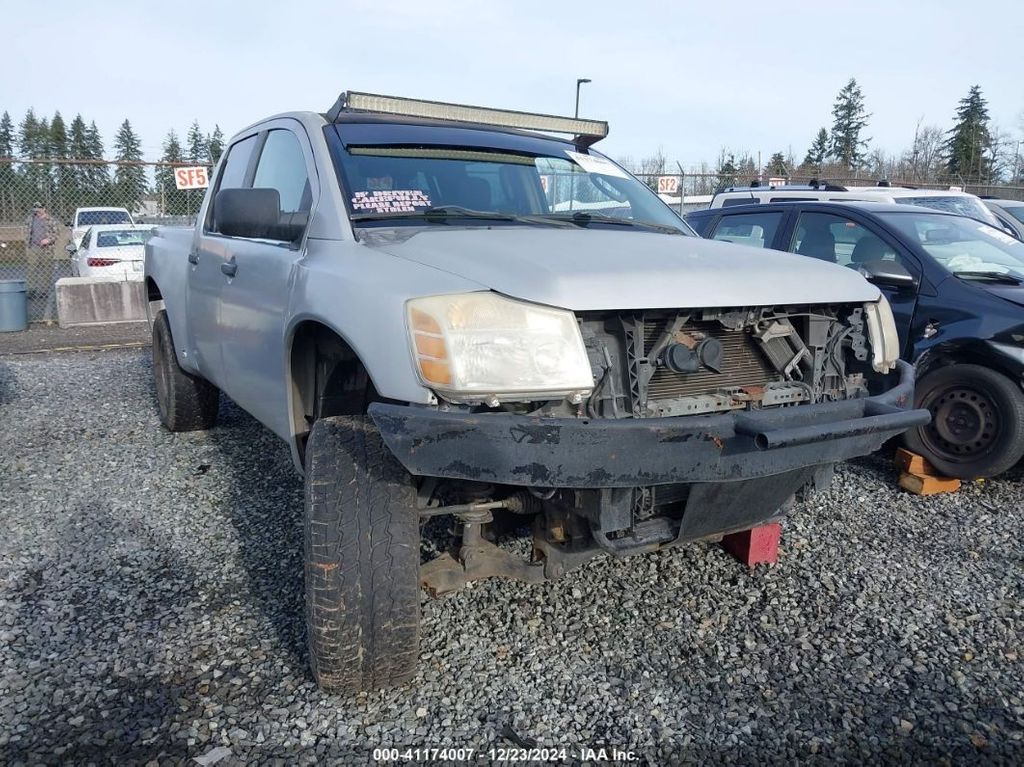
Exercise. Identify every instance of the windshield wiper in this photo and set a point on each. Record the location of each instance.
(585, 217)
(1003, 277)
(445, 213)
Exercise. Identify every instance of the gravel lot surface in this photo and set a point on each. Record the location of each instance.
(150, 609)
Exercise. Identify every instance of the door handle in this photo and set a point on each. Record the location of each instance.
(229, 267)
(193, 257)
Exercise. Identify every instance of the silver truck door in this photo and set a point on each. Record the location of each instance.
(210, 250)
(254, 299)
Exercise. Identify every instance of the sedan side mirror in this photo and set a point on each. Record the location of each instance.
(887, 274)
(70, 247)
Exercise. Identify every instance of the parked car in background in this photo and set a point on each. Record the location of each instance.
(1010, 214)
(400, 291)
(956, 287)
(949, 200)
(114, 252)
(86, 217)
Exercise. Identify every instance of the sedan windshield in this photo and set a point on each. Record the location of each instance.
(101, 217)
(479, 186)
(962, 205)
(964, 247)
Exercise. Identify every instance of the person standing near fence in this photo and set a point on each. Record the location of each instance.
(42, 234)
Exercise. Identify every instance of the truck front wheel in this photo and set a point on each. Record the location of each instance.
(362, 559)
(186, 402)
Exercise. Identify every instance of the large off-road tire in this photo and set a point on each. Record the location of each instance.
(186, 402)
(362, 543)
(977, 426)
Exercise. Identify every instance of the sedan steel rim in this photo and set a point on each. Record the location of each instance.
(965, 423)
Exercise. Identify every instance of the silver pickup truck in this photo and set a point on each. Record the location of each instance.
(444, 310)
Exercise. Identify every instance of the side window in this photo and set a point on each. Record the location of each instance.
(755, 229)
(232, 173)
(86, 239)
(740, 201)
(282, 166)
(838, 240)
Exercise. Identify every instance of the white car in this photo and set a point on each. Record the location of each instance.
(112, 251)
(86, 217)
(949, 200)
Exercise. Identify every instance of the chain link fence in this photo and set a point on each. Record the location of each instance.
(39, 201)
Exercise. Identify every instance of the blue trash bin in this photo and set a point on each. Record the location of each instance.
(13, 306)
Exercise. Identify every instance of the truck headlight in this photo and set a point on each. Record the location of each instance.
(882, 333)
(484, 347)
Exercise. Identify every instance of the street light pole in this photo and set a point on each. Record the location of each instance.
(579, 82)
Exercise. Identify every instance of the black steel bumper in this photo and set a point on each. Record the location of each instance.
(599, 453)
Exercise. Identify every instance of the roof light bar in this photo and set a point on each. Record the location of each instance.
(354, 101)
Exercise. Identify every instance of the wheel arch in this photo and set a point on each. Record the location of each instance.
(326, 376)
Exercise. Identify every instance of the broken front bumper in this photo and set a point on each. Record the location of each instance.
(589, 453)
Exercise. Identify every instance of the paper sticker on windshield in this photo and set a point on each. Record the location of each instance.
(995, 234)
(390, 201)
(594, 164)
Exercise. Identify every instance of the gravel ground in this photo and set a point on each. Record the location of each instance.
(150, 608)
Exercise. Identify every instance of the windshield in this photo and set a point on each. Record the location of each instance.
(1017, 211)
(963, 246)
(962, 205)
(428, 185)
(121, 238)
(103, 217)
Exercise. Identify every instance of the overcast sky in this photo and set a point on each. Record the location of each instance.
(688, 77)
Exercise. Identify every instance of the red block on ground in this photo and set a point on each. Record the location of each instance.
(757, 546)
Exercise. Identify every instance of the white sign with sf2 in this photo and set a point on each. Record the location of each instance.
(191, 178)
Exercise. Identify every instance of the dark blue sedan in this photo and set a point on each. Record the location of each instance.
(956, 287)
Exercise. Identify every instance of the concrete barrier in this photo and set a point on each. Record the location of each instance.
(89, 301)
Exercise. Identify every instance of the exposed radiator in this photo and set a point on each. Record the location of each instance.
(743, 364)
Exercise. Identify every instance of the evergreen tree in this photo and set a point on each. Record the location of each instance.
(726, 170)
(777, 166)
(215, 145)
(129, 176)
(63, 174)
(9, 209)
(819, 150)
(849, 121)
(98, 175)
(198, 148)
(6, 136)
(965, 147)
(174, 201)
(33, 144)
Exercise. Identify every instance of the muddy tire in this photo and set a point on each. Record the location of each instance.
(362, 541)
(186, 402)
(977, 426)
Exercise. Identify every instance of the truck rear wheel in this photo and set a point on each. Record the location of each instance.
(186, 402)
(362, 559)
(977, 426)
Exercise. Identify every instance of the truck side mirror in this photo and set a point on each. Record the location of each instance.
(887, 274)
(253, 213)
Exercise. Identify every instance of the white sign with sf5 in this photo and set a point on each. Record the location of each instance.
(191, 178)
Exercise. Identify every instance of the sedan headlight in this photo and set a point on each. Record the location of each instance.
(882, 333)
(482, 347)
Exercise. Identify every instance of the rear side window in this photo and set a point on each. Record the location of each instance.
(232, 173)
(754, 229)
(739, 201)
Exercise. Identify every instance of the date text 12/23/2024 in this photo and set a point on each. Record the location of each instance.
(600, 754)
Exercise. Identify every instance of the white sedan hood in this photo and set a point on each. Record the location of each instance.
(602, 269)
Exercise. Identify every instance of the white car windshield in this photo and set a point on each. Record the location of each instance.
(962, 205)
(120, 238)
(963, 246)
(101, 217)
